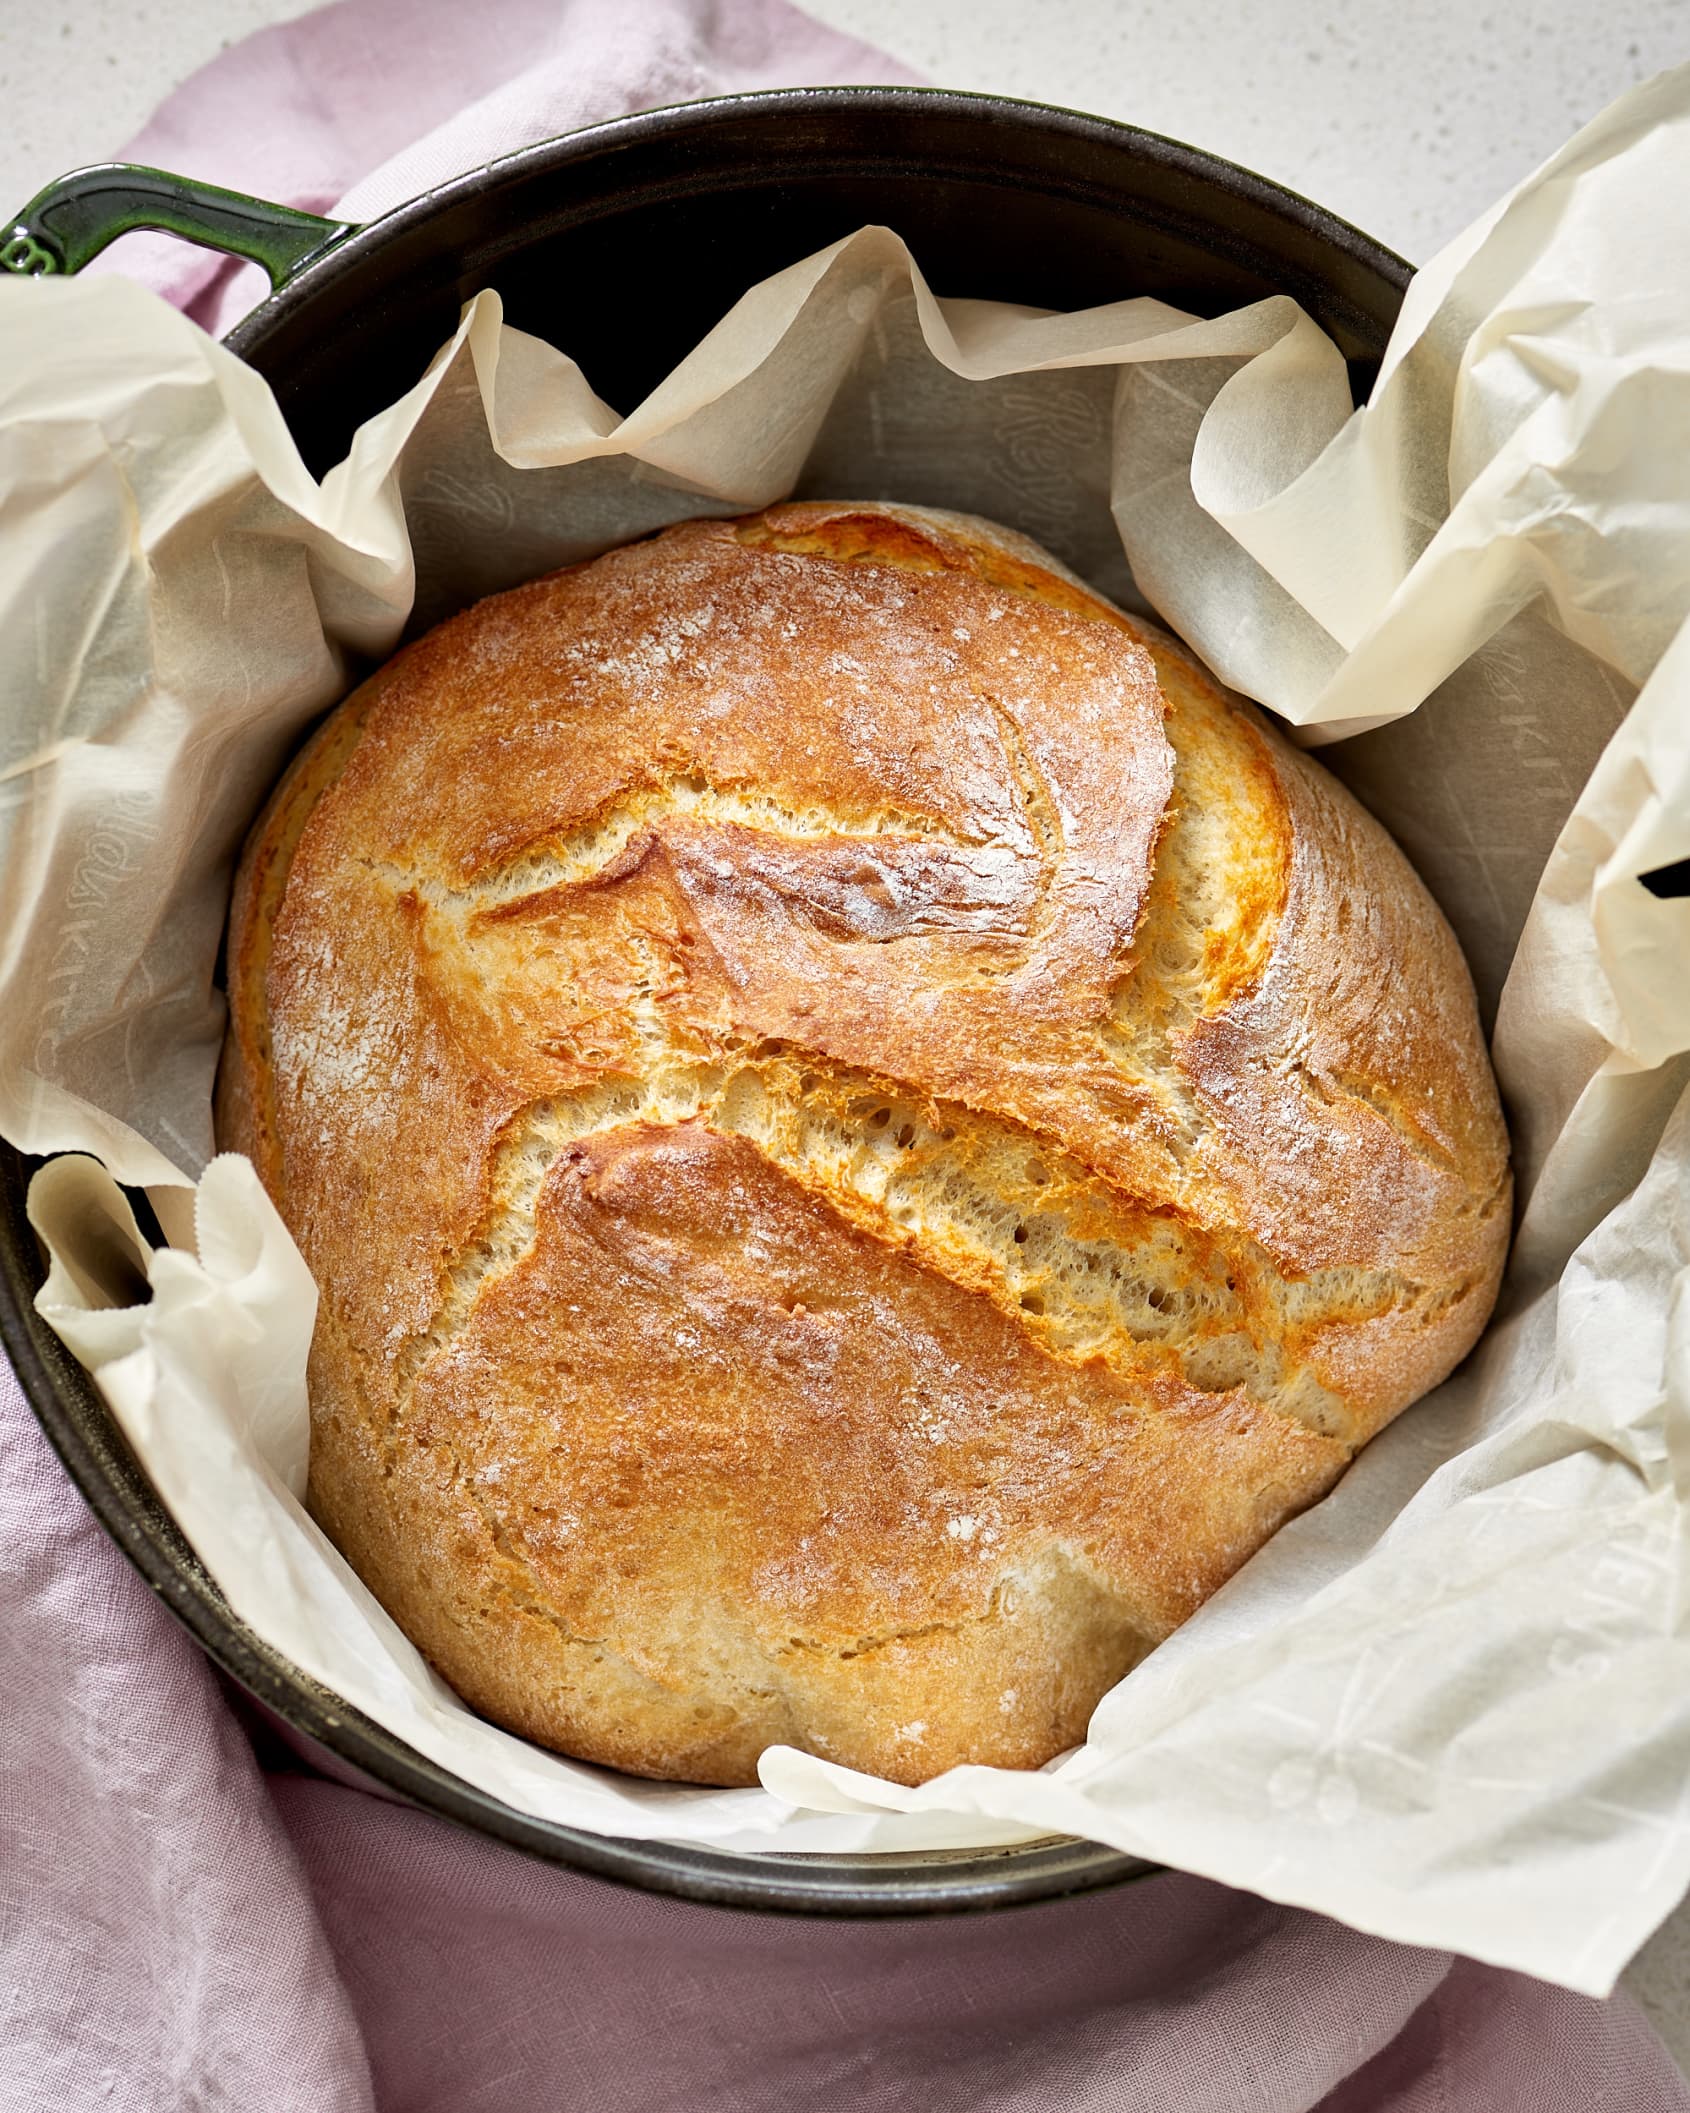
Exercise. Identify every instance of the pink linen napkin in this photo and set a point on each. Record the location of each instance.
(181, 1929)
(356, 108)
(182, 1933)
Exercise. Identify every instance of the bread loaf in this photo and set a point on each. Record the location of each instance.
(866, 1134)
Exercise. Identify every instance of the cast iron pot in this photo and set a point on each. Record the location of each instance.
(997, 199)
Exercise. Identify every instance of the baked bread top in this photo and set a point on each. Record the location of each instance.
(866, 1133)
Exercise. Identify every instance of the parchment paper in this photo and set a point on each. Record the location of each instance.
(1452, 1703)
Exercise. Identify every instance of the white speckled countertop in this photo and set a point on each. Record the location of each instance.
(1408, 119)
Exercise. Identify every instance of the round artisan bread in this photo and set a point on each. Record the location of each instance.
(866, 1133)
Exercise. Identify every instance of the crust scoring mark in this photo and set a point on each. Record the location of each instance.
(1089, 1274)
(591, 847)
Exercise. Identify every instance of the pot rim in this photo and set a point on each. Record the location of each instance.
(353, 244)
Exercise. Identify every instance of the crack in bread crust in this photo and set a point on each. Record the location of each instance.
(598, 841)
(1087, 1273)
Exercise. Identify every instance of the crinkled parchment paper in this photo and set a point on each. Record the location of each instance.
(1452, 1703)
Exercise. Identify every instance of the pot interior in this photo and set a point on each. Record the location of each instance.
(615, 243)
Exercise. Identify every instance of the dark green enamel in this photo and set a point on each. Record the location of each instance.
(68, 224)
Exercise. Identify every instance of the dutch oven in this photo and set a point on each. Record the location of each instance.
(997, 199)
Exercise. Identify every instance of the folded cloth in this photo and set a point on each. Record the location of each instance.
(185, 1925)
(353, 109)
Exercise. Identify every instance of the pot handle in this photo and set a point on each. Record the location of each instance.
(68, 224)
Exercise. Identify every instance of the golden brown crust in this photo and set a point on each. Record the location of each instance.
(879, 1138)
